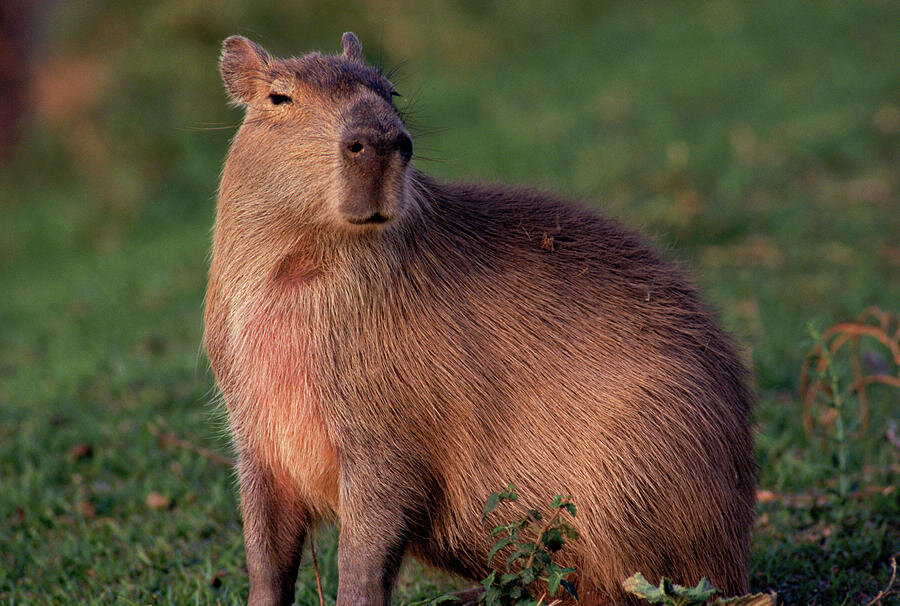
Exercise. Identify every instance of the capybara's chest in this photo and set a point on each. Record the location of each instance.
(277, 413)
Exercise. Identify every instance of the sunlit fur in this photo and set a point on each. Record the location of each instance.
(390, 377)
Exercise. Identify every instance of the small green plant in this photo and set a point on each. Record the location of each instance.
(836, 401)
(670, 594)
(529, 567)
(834, 381)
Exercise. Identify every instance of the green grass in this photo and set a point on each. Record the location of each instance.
(757, 142)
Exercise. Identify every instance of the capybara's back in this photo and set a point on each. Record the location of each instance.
(393, 349)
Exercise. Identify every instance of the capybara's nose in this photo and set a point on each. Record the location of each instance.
(375, 159)
(368, 149)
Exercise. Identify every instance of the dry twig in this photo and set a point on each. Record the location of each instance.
(170, 439)
(887, 589)
(312, 548)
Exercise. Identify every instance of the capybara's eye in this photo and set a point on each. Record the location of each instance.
(277, 99)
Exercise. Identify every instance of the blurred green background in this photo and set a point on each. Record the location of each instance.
(757, 142)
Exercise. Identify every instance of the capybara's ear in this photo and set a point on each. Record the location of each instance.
(352, 47)
(243, 64)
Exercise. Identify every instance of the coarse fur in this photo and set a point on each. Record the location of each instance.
(392, 349)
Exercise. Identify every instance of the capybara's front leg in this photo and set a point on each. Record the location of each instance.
(369, 557)
(376, 522)
(275, 525)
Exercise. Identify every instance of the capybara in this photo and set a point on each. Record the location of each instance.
(392, 349)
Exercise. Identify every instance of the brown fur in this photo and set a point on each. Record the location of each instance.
(390, 375)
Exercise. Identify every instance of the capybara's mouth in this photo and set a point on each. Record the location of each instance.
(373, 219)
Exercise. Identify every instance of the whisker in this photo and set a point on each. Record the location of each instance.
(389, 74)
(210, 127)
(431, 159)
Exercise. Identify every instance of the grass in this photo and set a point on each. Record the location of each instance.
(757, 142)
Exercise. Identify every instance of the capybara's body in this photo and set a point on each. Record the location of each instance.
(392, 350)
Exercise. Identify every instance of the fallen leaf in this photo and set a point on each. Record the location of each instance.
(158, 501)
(765, 496)
(80, 451)
(87, 509)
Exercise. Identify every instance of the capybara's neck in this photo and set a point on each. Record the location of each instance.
(259, 240)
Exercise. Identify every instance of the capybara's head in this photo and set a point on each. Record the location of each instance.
(321, 140)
